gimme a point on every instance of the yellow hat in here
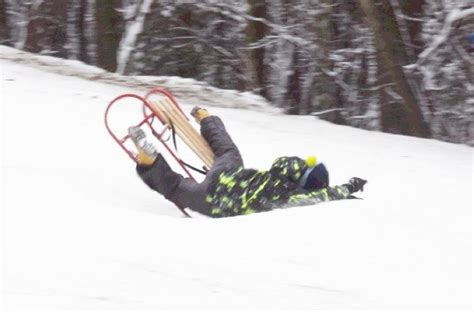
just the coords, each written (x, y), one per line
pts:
(311, 161)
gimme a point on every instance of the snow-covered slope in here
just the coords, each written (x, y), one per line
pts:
(80, 230)
(187, 89)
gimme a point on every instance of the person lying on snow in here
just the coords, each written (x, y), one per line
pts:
(229, 189)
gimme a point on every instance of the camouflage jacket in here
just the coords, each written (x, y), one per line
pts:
(240, 191)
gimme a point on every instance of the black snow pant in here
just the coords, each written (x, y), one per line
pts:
(185, 192)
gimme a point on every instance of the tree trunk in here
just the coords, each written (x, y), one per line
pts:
(46, 25)
(57, 28)
(133, 28)
(413, 10)
(254, 58)
(35, 28)
(108, 20)
(89, 32)
(405, 118)
(4, 28)
(293, 87)
(293, 94)
(74, 29)
(326, 95)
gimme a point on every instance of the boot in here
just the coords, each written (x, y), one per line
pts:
(147, 153)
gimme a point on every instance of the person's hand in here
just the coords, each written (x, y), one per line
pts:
(356, 184)
(199, 113)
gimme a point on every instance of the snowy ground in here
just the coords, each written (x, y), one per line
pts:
(80, 230)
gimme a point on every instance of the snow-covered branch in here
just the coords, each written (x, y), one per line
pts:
(327, 111)
(453, 16)
(133, 29)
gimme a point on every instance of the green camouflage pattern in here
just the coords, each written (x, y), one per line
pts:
(240, 191)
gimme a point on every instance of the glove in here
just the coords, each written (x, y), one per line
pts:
(355, 185)
(199, 113)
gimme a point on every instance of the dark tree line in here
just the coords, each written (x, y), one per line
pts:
(397, 66)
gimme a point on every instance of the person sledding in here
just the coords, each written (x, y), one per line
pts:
(229, 189)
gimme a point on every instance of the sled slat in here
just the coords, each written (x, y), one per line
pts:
(204, 150)
(185, 130)
(201, 147)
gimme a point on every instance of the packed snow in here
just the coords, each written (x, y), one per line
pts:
(80, 230)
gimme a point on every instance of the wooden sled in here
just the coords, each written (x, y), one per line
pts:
(173, 116)
(160, 105)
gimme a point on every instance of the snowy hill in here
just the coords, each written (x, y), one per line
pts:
(80, 230)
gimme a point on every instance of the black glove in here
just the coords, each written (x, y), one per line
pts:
(355, 185)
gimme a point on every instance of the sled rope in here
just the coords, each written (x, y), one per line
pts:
(173, 134)
(186, 132)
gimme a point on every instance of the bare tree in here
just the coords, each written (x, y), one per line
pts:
(37, 26)
(4, 27)
(18, 20)
(134, 14)
(411, 15)
(391, 65)
(109, 32)
(254, 57)
(326, 97)
(74, 29)
(407, 117)
(89, 32)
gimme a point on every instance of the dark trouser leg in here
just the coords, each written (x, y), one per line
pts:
(226, 153)
(184, 192)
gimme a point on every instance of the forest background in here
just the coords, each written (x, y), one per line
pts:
(397, 66)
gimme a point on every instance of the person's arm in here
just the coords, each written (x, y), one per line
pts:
(329, 193)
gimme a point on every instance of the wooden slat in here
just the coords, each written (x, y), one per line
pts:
(184, 124)
(186, 132)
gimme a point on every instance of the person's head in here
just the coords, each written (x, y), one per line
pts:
(316, 176)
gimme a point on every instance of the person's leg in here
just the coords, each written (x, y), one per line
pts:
(215, 133)
(225, 151)
(184, 192)
(157, 174)
(192, 194)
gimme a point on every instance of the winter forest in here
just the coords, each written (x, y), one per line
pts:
(397, 66)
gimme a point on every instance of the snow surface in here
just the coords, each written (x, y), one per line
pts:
(80, 230)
